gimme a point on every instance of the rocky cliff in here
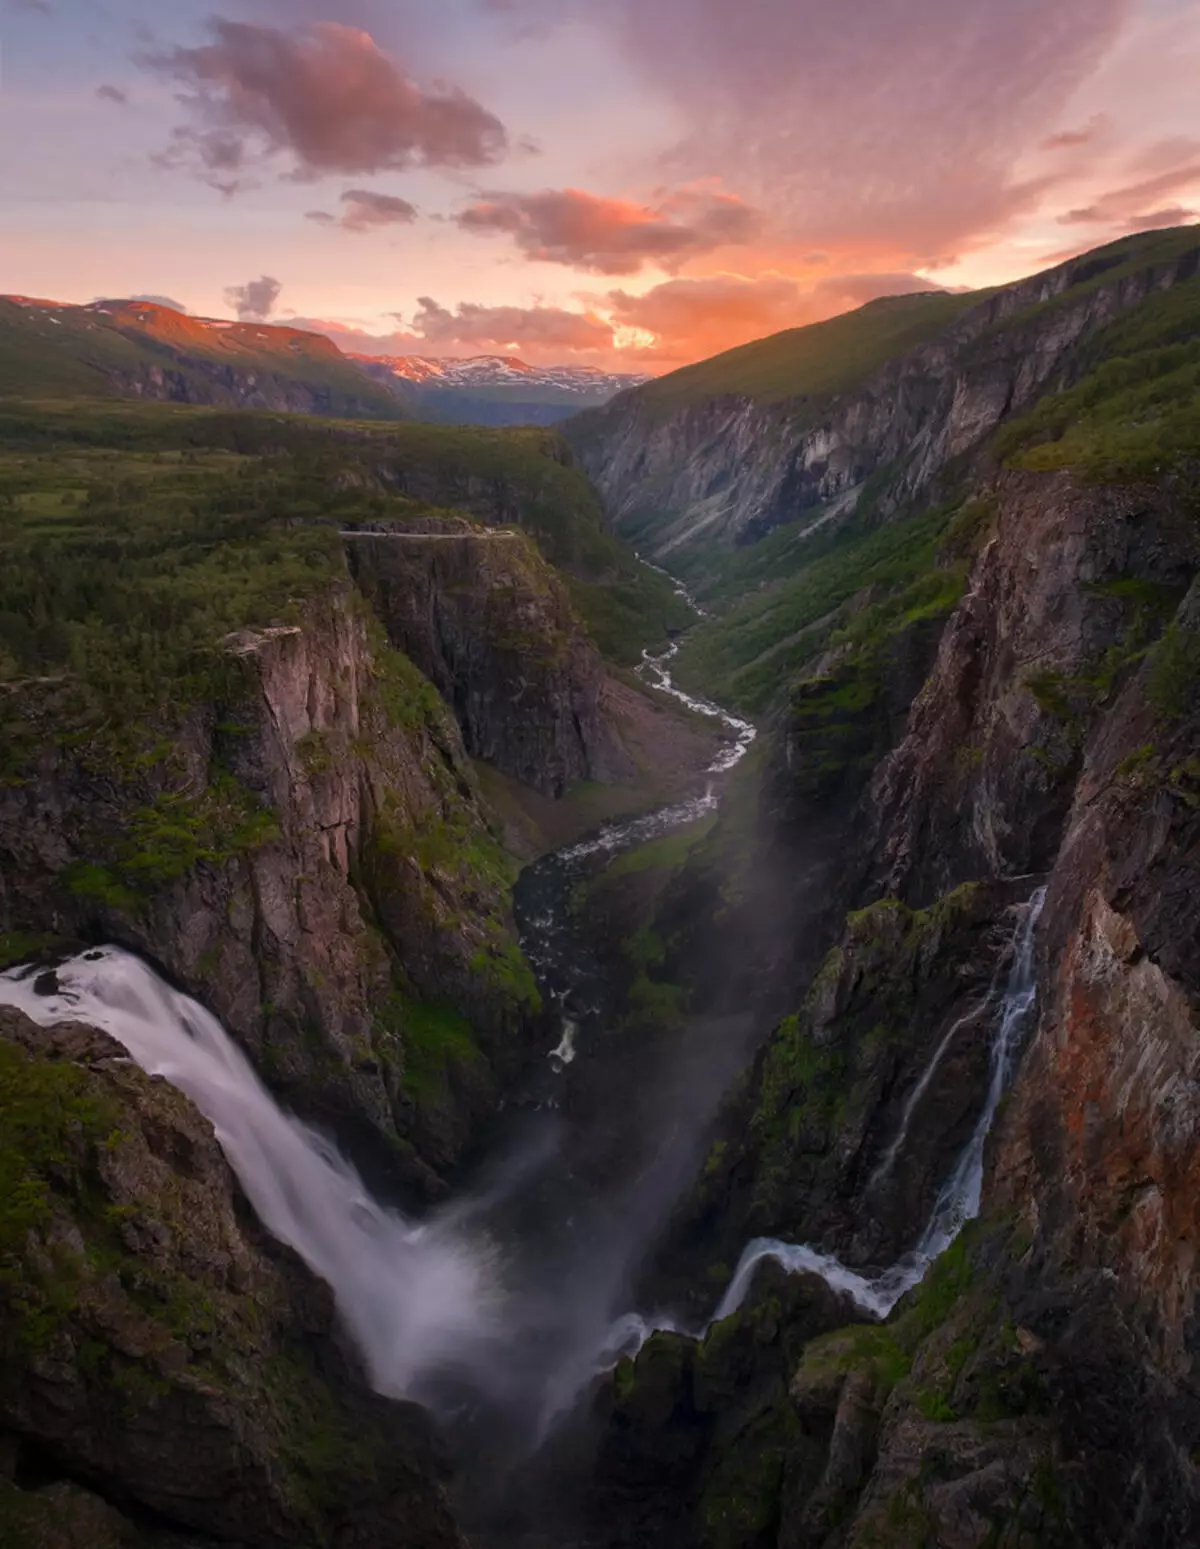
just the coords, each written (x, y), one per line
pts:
(1039, 1388)
(304, 849)
(490, 624)
(728, 469)
(169, 1374)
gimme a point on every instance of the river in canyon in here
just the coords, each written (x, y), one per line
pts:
(500, 1308)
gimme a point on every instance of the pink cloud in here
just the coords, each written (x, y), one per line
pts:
(328, 96)
(541, 334)
(612, 236)
(1133, 201)
(367, 211)
(488, 327)
(895, 125)
(1173, 215)
(1072, 139)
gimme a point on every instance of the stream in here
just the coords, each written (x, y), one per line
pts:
(502, 1302)
(499, 1309)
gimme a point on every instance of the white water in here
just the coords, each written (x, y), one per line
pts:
(623, 836)
(656, 671)
(958, 1201)
(417, 1298)
(888, 1160)
(565, 1051)
(425, 1299)
(680, 589)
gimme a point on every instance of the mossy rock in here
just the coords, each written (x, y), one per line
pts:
(155, 1339)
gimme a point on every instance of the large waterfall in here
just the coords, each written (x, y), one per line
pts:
(428, 1301)
(518, 1292)
(416, 1298)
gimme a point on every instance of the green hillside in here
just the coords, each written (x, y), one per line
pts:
(58, 458)
(814, 361)
(143, 350)
(1132, 414)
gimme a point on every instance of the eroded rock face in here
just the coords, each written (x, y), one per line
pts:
(308, 857)
(730, 469)
(157, 1347)
(1040, 1387)
(694, 1441)
(489, 623)
(862, 1100)
(1073, 585)
(1038, 704)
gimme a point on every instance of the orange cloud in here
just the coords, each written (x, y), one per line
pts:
(679, 321)
(690, 319)
(328, 96)
(612, 236)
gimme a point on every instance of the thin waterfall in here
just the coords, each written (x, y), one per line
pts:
(424, 1299)
(888, 1160)
(959, 1199)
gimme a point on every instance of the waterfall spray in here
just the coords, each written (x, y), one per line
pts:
(418, 1299)
(426, 1300)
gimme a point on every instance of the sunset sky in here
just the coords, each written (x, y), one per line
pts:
(612, 182)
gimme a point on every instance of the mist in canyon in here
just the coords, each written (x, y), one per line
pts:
(500, 1308)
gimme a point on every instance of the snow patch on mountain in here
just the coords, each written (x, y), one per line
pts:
(477, 371)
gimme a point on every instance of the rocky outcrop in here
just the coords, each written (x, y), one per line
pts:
(863, 1099)
(1072, 595)
(728, 470)
(699, 1436)
(304, 851)
(168, 1372)
(1039, 1388)
(196, 381)
(1073, 586)
(490, 624)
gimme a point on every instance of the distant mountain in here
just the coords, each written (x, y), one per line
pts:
(495, 389)
(143, 349)
(146, 349)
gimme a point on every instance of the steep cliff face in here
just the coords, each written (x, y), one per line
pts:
(487, 621)
(1074, 585)
(728, 470)
(157, 1346)
(1039, 1388)
(303, 850)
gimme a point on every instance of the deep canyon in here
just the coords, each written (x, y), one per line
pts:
(500, 1038)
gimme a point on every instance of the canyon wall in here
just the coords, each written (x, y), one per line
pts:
(169, 1374)
(306, 852)
(1039, 1387)
(489, 623)
(727, 470)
